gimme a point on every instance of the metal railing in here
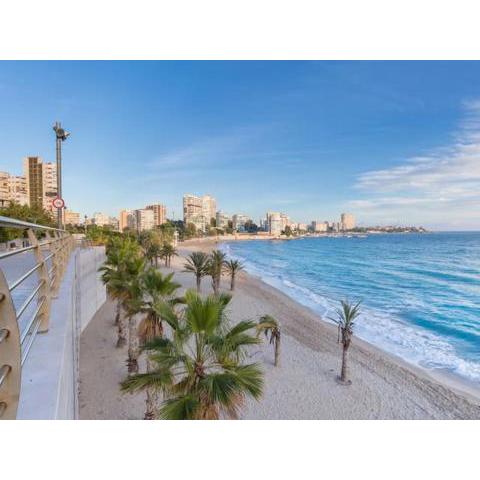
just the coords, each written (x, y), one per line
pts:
(20, 322)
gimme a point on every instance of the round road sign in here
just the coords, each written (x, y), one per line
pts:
(58, 202)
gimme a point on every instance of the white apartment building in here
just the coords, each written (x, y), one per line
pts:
(4, 189)
(199, 210)
(159, 212)
(101, 219)
(285, 220)
(274, 222)
(144, 219)
(71, 218)
(222, 219)
(209, 208)
(318, 226)
(239, 221)
(17, 185)
(301, 227)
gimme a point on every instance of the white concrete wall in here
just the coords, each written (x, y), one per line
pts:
(91, 294)
(50, 374)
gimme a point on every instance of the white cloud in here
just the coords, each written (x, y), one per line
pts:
(438, 188)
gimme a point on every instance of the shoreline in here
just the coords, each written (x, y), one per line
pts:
(302, 387)
(447, 379)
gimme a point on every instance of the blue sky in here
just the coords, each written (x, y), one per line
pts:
(391, 142)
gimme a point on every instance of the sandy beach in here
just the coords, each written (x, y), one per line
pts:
(303, 386)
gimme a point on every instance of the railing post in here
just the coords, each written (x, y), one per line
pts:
(64, 252)
(54, 285)
(44, 292)
(61, 255)
(10, 370)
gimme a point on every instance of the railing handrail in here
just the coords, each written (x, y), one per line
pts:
(14, 223)
(15, 343)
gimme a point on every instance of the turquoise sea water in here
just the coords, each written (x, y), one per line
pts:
(420, 292)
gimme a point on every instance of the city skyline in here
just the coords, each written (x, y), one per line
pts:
(311, 138)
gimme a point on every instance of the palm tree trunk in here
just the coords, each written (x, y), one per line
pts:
(121, 331)
(232, 282)
(118, 308)
(277, 352)
(152, 398)
(344, 372)
(132, 361)
(199, 280)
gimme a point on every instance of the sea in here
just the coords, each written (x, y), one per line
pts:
(420, 293)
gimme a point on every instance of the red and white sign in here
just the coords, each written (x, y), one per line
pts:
(58, 202)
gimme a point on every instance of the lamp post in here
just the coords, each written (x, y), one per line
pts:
(61, 135)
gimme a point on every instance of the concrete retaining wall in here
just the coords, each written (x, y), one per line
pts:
(50, 374)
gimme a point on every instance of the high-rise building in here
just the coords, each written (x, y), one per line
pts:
(199, 210)
(193, 212)
(239, 221)
(41, 182)
(113, 222)
(71, 218)
(318, 226)
(347, 221)
(274, 222)
(4, 189)
(209, 208)
(222, 219)
(17, 185)
(285, 221)
(101, 219)
(301, 227)
(132, 220)
(123, 219)
(144, 219)
(159, 213)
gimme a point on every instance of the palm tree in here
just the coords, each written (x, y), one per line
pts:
(269, 326)
(197, 263)
(132, 298)
(156, 288)
(216, 264)
(201, 370)
(345, 320)
(168, 251)
(233, 267)
(119, 251)
(145, 238)
(153, 251)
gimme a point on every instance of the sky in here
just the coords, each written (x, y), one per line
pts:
(391, 142)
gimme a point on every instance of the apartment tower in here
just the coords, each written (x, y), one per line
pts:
(41, 182)
(159, 213)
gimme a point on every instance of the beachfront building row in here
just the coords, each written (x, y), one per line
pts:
(276, 222)
(143, 218)
(37, 187)
(346, 223)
